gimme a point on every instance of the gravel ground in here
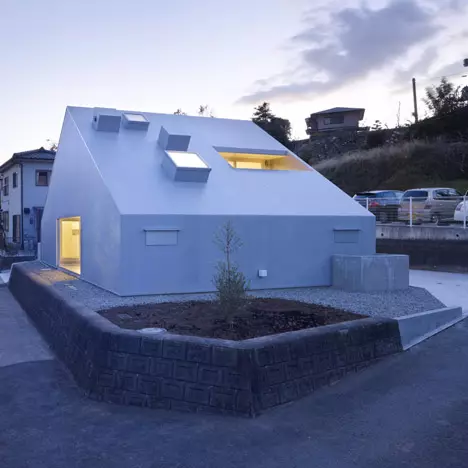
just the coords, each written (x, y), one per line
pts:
(387, 304)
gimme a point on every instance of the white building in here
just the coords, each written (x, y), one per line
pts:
(136, 200)
(25, 179)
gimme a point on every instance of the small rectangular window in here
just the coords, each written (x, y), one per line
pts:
(15, 180)
(334, 120)
(5, 221)
(239, 159)
(42, 178)
(16, 229)
(5, 186)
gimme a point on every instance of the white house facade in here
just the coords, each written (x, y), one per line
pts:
(25, 179)
(137, 199)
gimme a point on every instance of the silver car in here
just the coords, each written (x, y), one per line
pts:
(429, 204)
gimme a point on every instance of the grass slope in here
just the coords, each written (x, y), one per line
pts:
(403, 166)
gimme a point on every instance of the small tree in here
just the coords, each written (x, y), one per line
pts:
(278, 128)
(444, 98)
(52, 145)
(205, 111)
(231, 284)
(179, 111)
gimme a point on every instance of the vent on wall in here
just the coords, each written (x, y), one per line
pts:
(346, 236)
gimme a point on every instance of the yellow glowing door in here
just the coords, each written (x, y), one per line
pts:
(70, 244)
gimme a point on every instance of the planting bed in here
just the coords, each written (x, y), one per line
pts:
(257, 317)
(193, 373)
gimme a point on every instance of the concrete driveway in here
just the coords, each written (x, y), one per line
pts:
(410, 410)
(450, 288)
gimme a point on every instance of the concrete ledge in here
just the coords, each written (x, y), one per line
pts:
(197, 374)
(369, 273)
(449, 255)
(418, 327)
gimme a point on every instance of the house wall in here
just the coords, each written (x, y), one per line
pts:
(12, 202)
(78, 190)
(296, 251)
(351, 119)
(33, 195)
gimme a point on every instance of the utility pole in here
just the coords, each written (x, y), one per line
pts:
(415, 101)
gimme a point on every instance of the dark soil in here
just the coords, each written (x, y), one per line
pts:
(257, 317)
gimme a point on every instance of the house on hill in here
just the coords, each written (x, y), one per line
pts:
(137, 198)
(337, 118)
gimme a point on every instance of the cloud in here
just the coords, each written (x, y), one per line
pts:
(418, 68)
(348, 44)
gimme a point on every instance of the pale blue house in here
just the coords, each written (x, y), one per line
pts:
(25, 179)
(137, 197)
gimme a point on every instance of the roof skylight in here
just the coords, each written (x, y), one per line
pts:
(135, 118)
(187, 160)
(133, 121)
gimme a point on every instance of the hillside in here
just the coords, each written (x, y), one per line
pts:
(402, 166)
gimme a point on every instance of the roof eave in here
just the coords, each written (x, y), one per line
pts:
(18, 160)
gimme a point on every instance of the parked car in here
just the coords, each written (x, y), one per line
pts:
(461, 211)
(429, 204)
(383, 204)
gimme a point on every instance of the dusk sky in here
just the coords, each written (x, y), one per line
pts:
(157, 56)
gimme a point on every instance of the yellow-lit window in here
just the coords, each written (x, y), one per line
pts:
(70, 244)
(247, 164)
(272, 162)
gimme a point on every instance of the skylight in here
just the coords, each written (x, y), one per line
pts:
(187, 160)
(135, 118)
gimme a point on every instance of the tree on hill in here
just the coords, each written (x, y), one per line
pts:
(445, 98)
(52, 145)
(203, 111)
(278, 128)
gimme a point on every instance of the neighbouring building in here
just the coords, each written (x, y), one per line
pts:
(337, 118)
(25, 179)
(137, 199)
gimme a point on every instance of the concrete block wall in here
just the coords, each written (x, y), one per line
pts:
(369, 273)
(197, 374)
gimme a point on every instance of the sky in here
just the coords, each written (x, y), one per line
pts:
(301, 56)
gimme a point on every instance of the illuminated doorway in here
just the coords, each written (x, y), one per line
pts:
(70, 244)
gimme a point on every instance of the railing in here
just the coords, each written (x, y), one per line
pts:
(11, 246)
(418, 211)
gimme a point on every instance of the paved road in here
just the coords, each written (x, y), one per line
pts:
(411, 410)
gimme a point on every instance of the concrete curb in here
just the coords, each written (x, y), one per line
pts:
(419, 327)
(197, 374)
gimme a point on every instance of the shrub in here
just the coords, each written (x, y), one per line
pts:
(231, 284)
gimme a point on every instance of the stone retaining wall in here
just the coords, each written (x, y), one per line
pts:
(7, 260)
(197, 374)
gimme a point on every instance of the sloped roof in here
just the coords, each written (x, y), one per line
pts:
(334, 110)
(129, 164)
(40, 154)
